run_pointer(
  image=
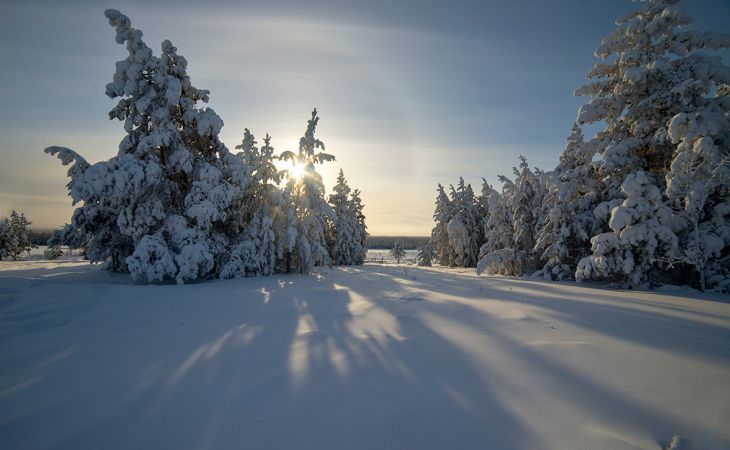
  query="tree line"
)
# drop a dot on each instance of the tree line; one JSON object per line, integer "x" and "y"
{"x": 643, "y": 201}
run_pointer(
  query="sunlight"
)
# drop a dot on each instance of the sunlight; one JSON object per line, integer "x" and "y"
{"x": 297, "y": 171}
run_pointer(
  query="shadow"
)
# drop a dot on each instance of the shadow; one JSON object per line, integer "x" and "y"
{"x": 355, "y": 358}
{"x": 658, "y": 324}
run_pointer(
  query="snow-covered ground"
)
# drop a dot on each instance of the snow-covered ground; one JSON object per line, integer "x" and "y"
{"x": 373, "y": 357}
{"x": 377, "y": 255}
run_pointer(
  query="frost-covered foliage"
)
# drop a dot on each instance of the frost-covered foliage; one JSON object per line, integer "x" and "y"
{"x": 307, "y": 211}
{"x": 14, "y": 235}
{"x": 160, "y": 208}
{"x": 661, "y": 94}
{"x": 646, "y": 198}
{"x": 346, "y": 233}
{"x": 52, "y": 252}
{"x": 524, "y": 201}
{"x": 498, "y": 223}
{"x": 463, "y": 227}
{"x": 439, "y": 234}
{"x": 175, "y": 203}
{"x": 572, "y": 190}
{"x": 504, "y": 261}
{"x": 398, "y": 251}
{"x": 425, "y": 255}
{"x": 641, "y": 236}
{"x": 253, "y": 250}
{"x": 698, "y": 184}
{"x": 513, "y": 217}
{"x": 360, "y": 249}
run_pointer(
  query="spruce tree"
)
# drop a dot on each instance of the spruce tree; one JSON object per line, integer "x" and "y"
{"x": 160, "y": 208}
{"x": 307, "y": 246}
{"x": 653, "y": 73}
{"x": 360, "y": 249}
{"x": 343, "y": 231}
{"x": 568, "y": 223}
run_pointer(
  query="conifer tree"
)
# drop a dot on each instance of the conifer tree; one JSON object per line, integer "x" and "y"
{"x": 158, "y": 209}
{"x": 463, "y": 231}
{"x": 439, "y": 235}
{"x": 563, "y": 237}
{"x": 306, "y": 194}
{"x": 425, "y": 255}
{"x": 653, "y": 72}
{"x": 398, "y": 252}
{"x": 360, "y": 249}
{"x": 14, "y": 236}
{"x": 343, "y": 237}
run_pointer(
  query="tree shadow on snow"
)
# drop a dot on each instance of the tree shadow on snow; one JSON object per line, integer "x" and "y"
{"x": 351, "y": 358}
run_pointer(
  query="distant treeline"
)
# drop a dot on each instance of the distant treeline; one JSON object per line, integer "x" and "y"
{"x": 386, "y": 242}
{"x": 39, "y": 237}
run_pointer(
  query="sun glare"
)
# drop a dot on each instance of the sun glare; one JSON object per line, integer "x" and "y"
{"x": 297, "y": 171}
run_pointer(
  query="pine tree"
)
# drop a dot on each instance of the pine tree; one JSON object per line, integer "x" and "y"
{"x": 439, "y": 235}
{"x": 563, "y": 237}
{"x": 360, "y": 249}
{"x": 343, "y": 238}
{"x": 14, "y": 235}
{"x": 306, "y": 194}
{"x": 498, "y": 226}
{"x": 397, "y": 252}
{"x": 524, "y": 202}
{"x": 158, "y": 209}
{"x": 652, "y": 73}
{"x": 640, "y": 231}
{"x": 253, "y": 250}
{"x": 512, "y": 224}
{"x": 463, "y": 230}
{"x": 425, "y": 255}
{"x": 698, "y": 184}
{"x": 5, "y": 240}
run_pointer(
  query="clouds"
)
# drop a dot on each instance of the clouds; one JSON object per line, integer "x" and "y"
{"x": 410, "y": 92}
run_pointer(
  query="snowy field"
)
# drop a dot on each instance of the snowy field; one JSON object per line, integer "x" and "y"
{"x": 376, "y": 255}
{"x": 374, "y": 357}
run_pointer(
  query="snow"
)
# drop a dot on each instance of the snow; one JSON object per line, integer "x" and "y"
{"x": 376, "y": 356}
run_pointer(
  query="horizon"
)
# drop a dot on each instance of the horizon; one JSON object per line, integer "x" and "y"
{"x": 409, "y": 95}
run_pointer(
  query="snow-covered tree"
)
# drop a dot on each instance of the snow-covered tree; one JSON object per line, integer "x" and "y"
{"x": 512, "y": 223}
{"x": 253, "y": 249}
{"x": 397, "y": 252}
{"x": 5, "y": 241}
{"x": 525, "y": 201}
{"x": 653, "y": 73}
{"x": 307, "y": 246}
{"x": 19, "y": 235}
{"x": 498, "y": 225}
{"x": 698, "y": 185}
{"x": 425, "y": 255}
{"x": 343, "y": 236}
{"x": 641, "y": 230}
{"x": 14, "y": 235}
{"x": 499, "y": 235}
{"x": 360, "y": 249}
{"x": 52, "y": 252}
{"x": 440, "y": 235}
{"x": 563, "y": 237}
{"x": 463, "y": 228}
{"x": 160, "y": 208}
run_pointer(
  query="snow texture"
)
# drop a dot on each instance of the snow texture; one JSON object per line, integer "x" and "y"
{"x": 366, "y": 357}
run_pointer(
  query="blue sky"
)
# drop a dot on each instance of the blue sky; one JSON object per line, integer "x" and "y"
{"x": 410, "y": 93}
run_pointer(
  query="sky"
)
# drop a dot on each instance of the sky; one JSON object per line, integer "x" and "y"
{"x": 410, "y": 93}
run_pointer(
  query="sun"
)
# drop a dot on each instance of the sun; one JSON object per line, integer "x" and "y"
{"x": 297, "y": 171}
